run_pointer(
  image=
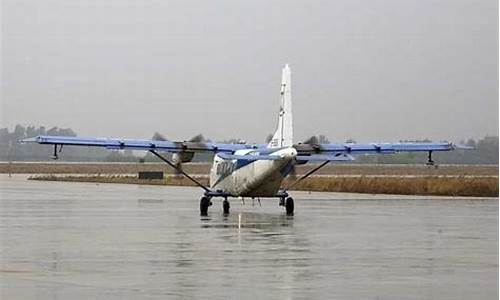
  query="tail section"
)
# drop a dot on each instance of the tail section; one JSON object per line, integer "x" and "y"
{"x": 283, "y": 137}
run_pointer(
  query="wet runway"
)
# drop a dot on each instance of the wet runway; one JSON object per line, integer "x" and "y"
{"x": 110, "y": 241}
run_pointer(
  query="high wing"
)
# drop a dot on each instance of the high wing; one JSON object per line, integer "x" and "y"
{"x": 138, "y": 144}
{"x": 338, "y": 157}
{"x": 249, "y": 157}
{"x": 305, "y": 158}
{"x": 373, "y": 148}
{"x": 324, "y": 152}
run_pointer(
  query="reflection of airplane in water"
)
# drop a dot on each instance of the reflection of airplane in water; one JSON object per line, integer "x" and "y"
{"x": 243, "y": 170}
{"x": 266, "y": 222}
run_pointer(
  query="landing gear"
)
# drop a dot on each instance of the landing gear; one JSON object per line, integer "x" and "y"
{"x": 289, "y": 206}
{"x": 225, "y": 206}
{"x": 54, "y": 156}
{"x": 287, "y": 202}
{"x": 430, "y": 162}
{"x": 204, "y": 204}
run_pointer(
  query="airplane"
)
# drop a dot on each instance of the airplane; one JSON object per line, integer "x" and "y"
{"x": 251, "y": 170}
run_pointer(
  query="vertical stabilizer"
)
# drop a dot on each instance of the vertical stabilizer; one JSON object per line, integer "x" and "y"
{"x": 283, "y": 137}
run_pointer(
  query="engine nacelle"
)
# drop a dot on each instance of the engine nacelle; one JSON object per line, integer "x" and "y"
{"x": 182, "y": 157}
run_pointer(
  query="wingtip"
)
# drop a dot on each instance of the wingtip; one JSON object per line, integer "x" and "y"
{"x": 29, "y": 140}
{"x": 463, "y": 147}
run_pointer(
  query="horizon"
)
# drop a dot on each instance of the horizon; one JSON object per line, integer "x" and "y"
{"x": 208, "y": 138}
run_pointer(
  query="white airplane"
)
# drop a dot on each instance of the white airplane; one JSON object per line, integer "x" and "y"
{"x": 243, "y": 170}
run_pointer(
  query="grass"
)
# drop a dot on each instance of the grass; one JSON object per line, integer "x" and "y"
{"x": 429, "y": 185}
{"x": 426, "y": 185}
{"x": 203, "y": 168}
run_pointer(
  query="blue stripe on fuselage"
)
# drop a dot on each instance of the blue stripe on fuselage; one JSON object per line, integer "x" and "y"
{"x": 286, "y": 169}
{"x": 243, "y": 162}
{"x": 240, "y": 163}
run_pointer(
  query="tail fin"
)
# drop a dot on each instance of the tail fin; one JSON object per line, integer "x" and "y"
{"x": 283, "y": 137}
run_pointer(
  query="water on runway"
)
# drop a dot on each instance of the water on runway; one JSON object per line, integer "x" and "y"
{"x": 110, "y": 241}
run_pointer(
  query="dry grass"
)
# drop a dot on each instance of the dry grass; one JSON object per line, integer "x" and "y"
{"x": 125, "y": 179}
{"x": 430, "y": 185}
{"x": 203, "y": 168}
{"x": 57, "y": 167}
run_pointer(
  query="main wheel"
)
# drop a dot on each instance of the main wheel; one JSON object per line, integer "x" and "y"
{"x": 289, "y": 206}
{"x": 225, "y": 206}
{"x": 204, "y": 204}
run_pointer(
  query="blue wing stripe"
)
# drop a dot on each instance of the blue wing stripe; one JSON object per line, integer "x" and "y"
{"x": 302, "y": 149}
{"x": 249, "y": 157}
{"x": 137, "y": 144}
{"x": 342, "y": 157}
{"x": 384, "y": 147}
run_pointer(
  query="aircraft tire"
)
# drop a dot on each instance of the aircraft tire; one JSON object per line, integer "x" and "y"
{"x": 225, "y": 206}
{"x": 289, "y": 206}
{"x": 204, "y": 204}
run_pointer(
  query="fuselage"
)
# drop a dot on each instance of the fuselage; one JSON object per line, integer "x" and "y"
{"x": 252, "y": 178}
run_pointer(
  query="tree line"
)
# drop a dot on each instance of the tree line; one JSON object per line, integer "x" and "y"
{"x": 486, "y": 150}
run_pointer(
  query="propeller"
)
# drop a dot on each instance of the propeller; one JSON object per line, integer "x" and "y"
{"x": 181, "y": 157}
{"x": 186, "y": 156}
{"x": 198, "y": 139}
{"x": 313, "y": 140}
{"x": 158, "y": 137}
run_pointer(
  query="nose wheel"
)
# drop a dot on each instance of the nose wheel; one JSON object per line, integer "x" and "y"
{"x": 288, "y": 204}
{"x": 225, "y": 206}
{"x": 204, "y": 204}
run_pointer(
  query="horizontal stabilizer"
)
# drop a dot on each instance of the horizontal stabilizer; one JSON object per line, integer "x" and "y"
{"x": 249, "y": 157}
{"x": 336, "y": 157}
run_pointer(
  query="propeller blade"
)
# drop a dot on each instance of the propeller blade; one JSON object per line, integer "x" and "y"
{"x": 197, "y": 139}
{"x": 312, "y": 140}
{"x": 293, "y": 172}
{"x": 158, "y": 137}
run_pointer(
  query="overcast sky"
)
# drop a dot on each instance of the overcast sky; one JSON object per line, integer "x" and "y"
{"x": 377, "y": 70}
